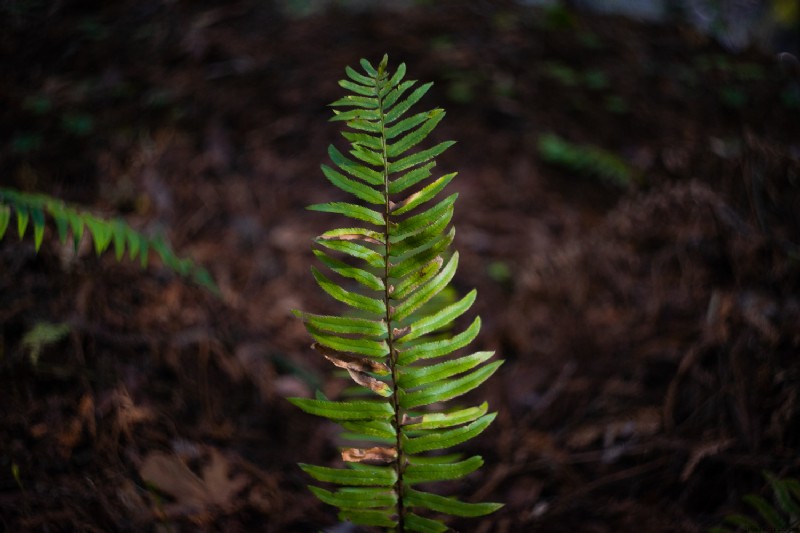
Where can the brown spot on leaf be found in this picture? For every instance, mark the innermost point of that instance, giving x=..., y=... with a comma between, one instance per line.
x=349, y=237
x=408, y=420
x=365, y=380
x=214, y=487
x=400, y=332
x=351, y=362
x=377, y=454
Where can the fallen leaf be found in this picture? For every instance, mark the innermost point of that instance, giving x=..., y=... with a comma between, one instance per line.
x=170, y=475
x=71, y=435
x=126, y=412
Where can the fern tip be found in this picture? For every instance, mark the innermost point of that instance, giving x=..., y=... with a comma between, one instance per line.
x=383, y=64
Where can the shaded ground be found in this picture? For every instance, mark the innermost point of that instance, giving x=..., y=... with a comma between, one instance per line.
x=650, y=324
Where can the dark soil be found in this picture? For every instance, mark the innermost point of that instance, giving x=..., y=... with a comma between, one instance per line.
x=650, y=325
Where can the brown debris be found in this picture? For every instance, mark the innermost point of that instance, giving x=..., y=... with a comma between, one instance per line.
x=214, y=487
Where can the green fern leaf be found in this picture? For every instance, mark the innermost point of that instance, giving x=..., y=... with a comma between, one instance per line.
x=373, y=428
x=356, y=498
x=368, y=518
x=785, y=515
x=77, y=225
x=447, y=390
x=422, y=375
x=101, y=233
x=361, y=346
x=449, y=438
x=451, y=506
x=423, y=195
x=347, y=325
x=367, y=279
x=445, y=420
x=427, y=291
x=134, y=243
x=356, y=88
x=23, y=215
x=369, y=157
x=356, y=114
x=411, y=178
x=61, y=218
x=426, y=473
x=766, y=510
x=350, y=345
x=369, y=81
x=360, y=190
x=416, y=278
x=356, y=101
x=418, y=135
x=417, y=223
x=353, y=249
x=5, y=218
x=405, y=105
x=353, y=299
x=783, y=489
x=368, y=175
x=344, y=410
x=413, y=257
x=420, y=524
x=420, y=157
x=370, y=126
x=350, y=210
x=37, y=216
x=433, y=322
x=438, y=348
x=402, y=266
x=376, y=476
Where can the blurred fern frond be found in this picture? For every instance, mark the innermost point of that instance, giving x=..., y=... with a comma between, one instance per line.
x=783, y=514
x=28, y=210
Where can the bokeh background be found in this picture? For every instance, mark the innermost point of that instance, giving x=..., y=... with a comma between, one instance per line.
x=629, y=210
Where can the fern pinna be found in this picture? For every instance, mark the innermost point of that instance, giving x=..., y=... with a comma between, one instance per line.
x=398, y=350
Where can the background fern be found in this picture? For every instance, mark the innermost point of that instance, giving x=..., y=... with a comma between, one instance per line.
x=783, y=515
x=29, y=210
x=586, y=160
x=391, y=344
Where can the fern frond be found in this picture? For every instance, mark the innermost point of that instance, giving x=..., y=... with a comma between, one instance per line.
x=27, y=207
x=783, y=515
x=396, y=347
x=587, y=160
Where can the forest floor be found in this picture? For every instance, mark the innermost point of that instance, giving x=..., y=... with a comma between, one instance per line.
x=645, y=294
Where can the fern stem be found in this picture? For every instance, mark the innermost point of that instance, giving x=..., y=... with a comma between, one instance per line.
x=397, y=421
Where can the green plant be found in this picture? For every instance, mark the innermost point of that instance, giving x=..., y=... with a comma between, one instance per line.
x=784, y=515
x=32, y=208
x=586, y=160
x=387, y=344
x=41, y=335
